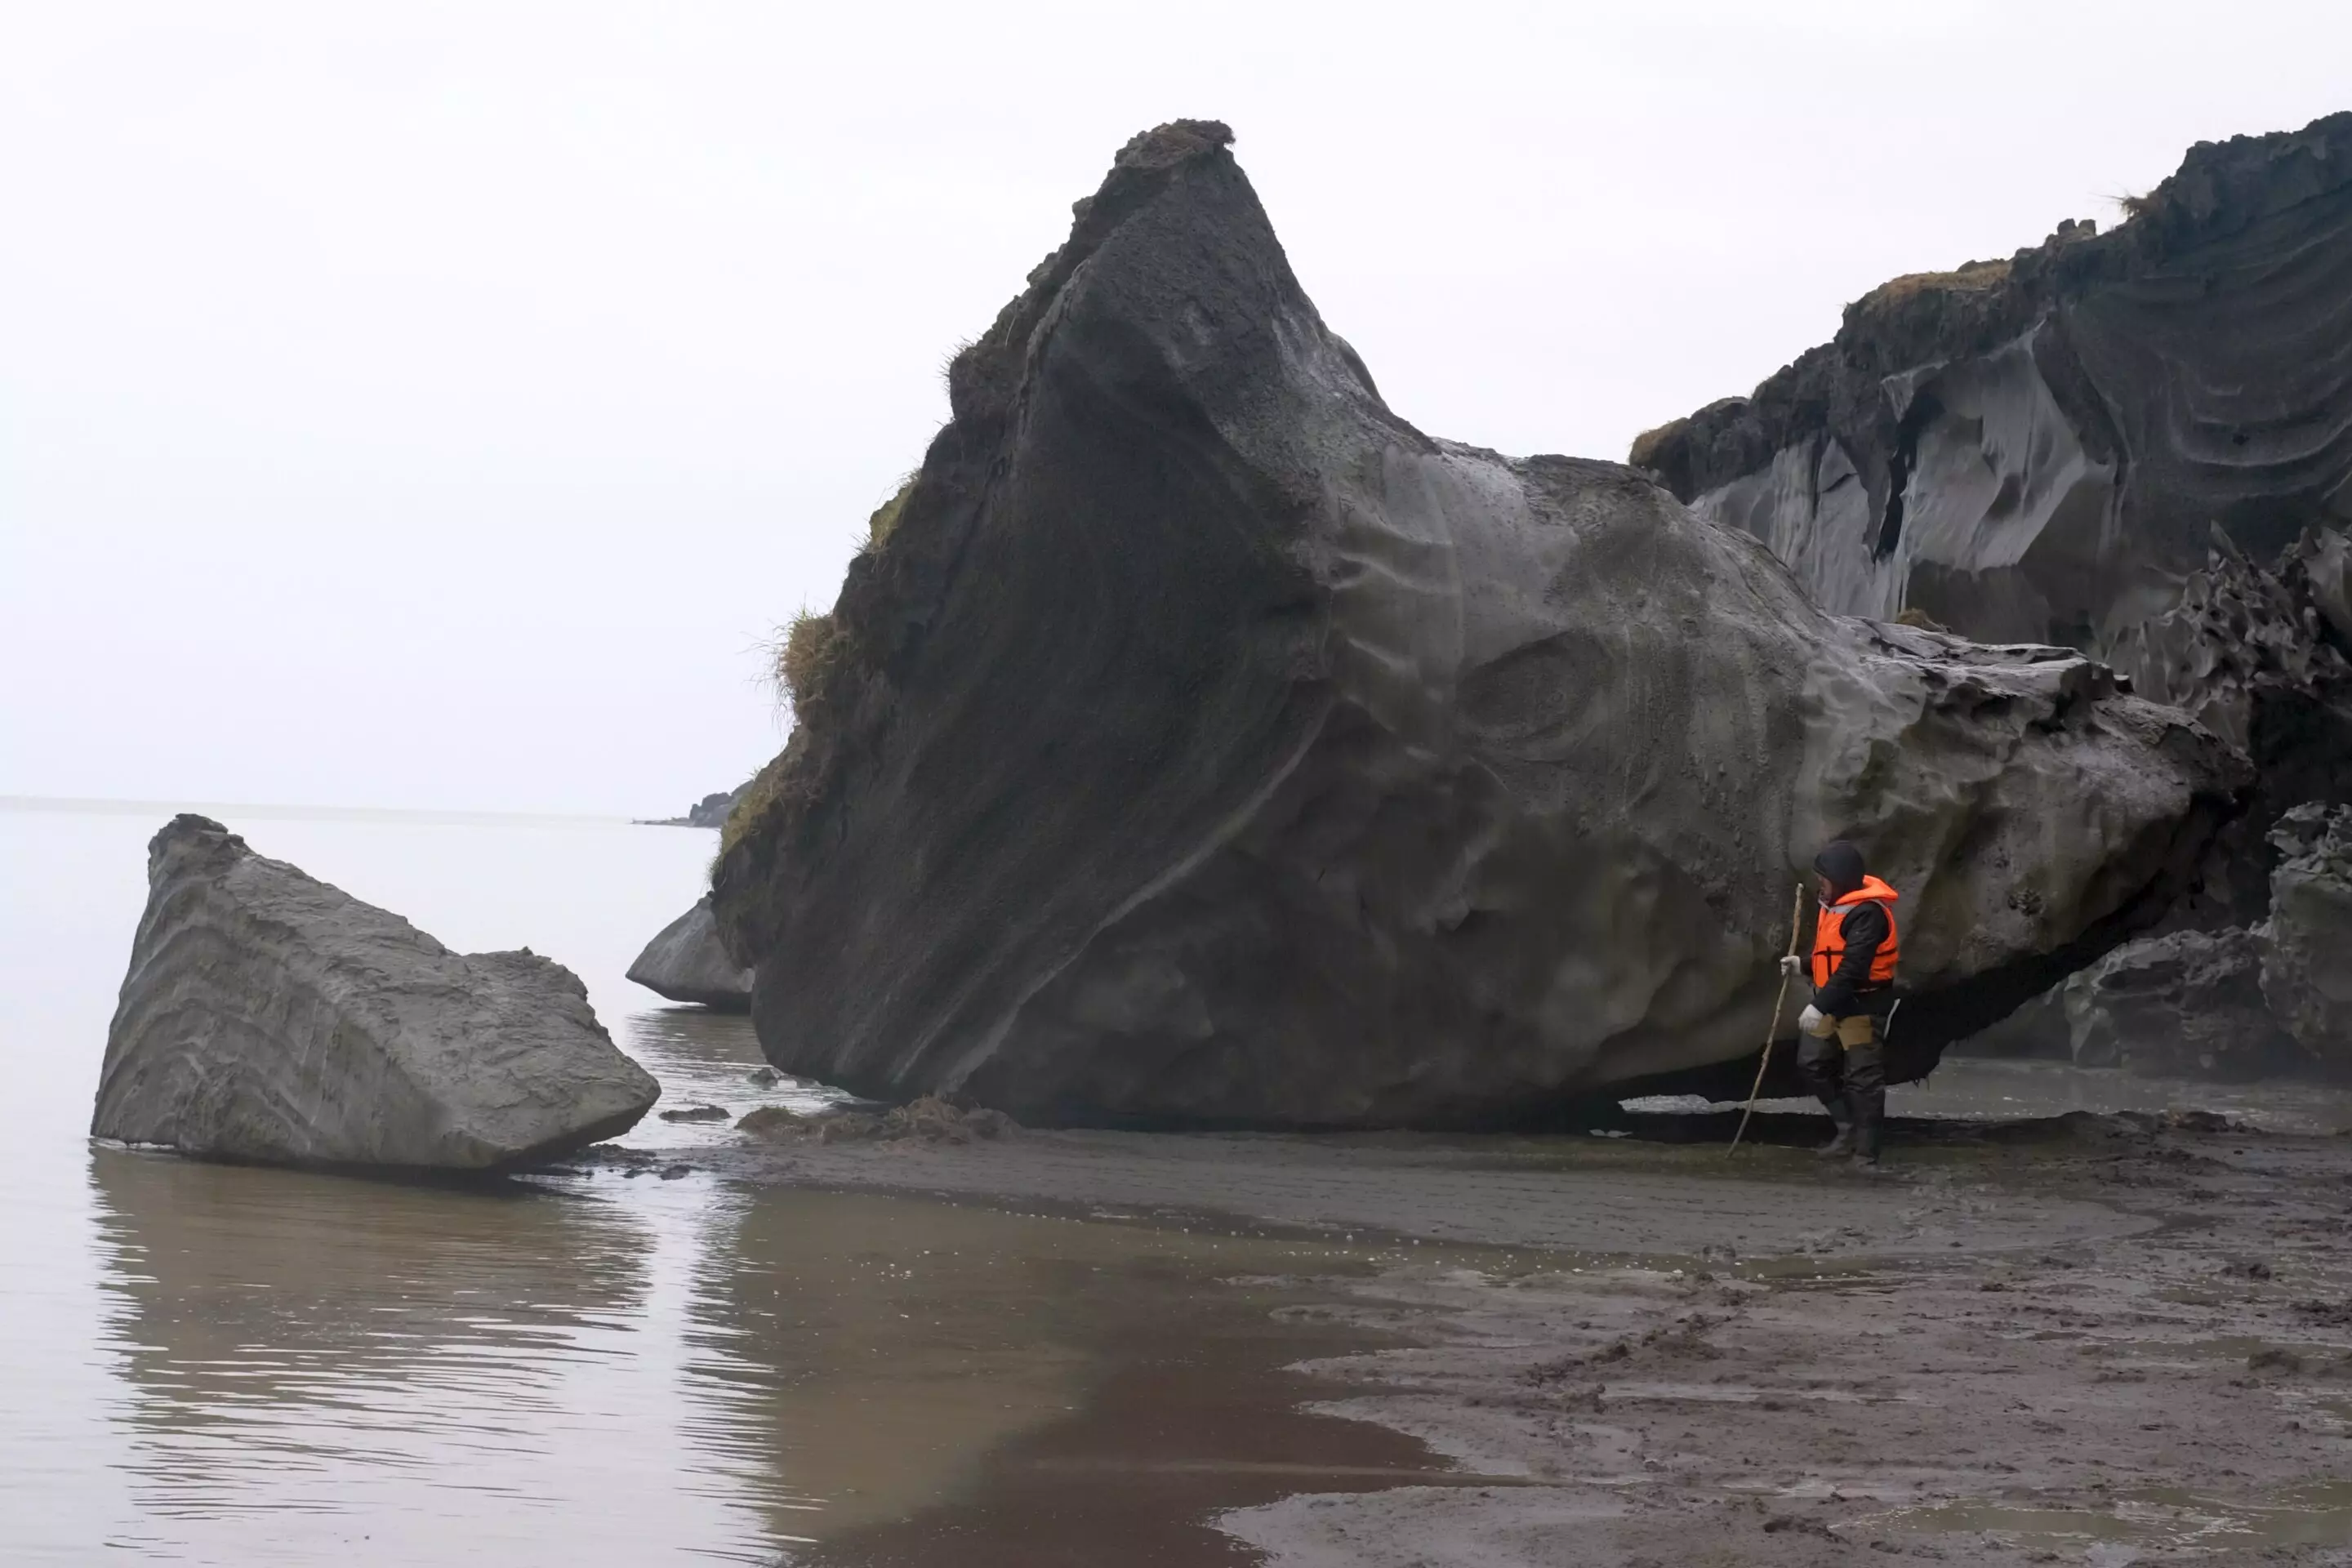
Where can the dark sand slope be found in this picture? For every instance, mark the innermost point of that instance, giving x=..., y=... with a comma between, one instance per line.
x=1207, y=744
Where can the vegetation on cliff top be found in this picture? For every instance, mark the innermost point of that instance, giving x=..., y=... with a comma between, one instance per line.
x=1969, y=276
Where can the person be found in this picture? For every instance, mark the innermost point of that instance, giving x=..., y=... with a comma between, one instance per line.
x=1840, y=1053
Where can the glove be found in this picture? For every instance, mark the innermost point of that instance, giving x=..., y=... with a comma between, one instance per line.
x=1792, y=966
x=1814, y=1021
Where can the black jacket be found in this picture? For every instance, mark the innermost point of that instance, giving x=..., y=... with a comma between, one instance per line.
x=1850, y=990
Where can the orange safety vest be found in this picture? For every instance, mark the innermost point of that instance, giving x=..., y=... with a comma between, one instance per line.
x=1829, y=934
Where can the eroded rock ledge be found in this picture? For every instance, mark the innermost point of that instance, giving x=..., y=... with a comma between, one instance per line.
x=1204, y=743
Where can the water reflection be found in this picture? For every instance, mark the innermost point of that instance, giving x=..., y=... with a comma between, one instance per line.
x=875, y=1349
x=316, y=1366
x=603, y=1370
x=965, y=1386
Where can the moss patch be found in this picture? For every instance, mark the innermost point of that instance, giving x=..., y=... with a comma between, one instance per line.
x=1974, y=278
x=758, y=797
x=885, y=521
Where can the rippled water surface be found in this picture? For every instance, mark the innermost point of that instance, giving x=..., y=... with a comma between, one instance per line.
x=207, y=1364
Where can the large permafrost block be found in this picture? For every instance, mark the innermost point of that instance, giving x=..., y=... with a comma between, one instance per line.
x=272, y=1018
x=1207, y=744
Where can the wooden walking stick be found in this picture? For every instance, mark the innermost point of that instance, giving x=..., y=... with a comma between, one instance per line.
x=1796, y=922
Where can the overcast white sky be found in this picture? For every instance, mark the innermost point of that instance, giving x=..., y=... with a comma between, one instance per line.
x=434, y=404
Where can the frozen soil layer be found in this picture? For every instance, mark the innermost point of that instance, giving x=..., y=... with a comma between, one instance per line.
x=2092, y=1339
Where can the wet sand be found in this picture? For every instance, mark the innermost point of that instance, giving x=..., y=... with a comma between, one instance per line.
x=2082, y=1338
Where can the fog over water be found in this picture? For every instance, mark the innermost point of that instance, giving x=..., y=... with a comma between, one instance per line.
x=433, y=406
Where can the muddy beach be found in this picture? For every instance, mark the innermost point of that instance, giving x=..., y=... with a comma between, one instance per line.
x=2081, y=1338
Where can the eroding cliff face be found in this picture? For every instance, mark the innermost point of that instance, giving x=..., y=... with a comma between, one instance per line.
x=2037, y=448
x=1205, y=743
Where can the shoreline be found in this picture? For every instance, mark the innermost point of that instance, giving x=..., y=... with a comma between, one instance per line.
x=2085, y=1333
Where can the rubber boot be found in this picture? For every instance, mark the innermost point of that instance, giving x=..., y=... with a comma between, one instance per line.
x=1865, y=1100
x=1820, y=1065
x=1868, y=1129
x=1839, y=1147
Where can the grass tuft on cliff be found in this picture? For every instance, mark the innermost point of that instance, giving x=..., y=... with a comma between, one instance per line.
x=804, y=651
x=805, y=657
x=1650, y=443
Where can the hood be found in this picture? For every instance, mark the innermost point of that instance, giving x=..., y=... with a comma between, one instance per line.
x=1872, y=890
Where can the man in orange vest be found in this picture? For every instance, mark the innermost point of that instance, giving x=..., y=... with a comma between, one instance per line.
x=1855, y=949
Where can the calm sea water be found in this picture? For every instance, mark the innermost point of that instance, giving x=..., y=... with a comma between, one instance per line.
x=210, y=1365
